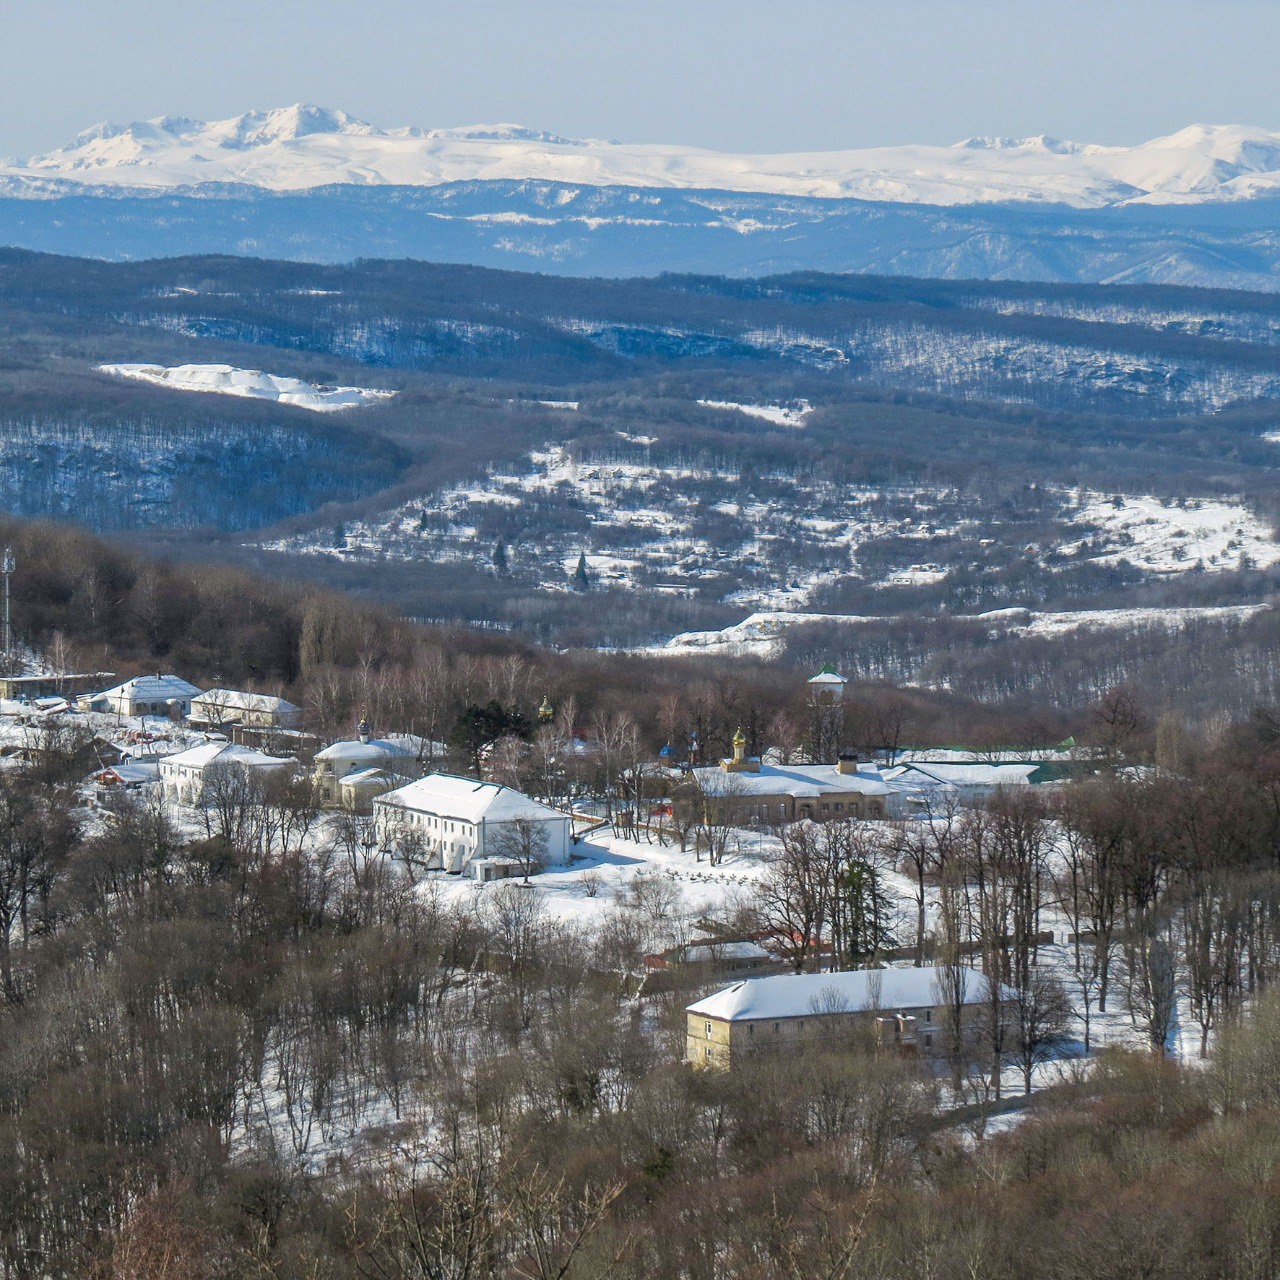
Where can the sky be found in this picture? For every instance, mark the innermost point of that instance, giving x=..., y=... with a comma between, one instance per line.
x=741, y=75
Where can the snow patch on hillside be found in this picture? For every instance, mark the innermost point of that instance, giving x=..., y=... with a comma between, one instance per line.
x=1160, y=535
x=779, y=415
x=226, y=380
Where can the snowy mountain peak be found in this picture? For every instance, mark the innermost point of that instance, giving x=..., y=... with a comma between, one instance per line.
x=304, y=146
x=288, y=124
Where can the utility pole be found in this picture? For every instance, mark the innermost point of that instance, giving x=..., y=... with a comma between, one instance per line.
x=8, y=567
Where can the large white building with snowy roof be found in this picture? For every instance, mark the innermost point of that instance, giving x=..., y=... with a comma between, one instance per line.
x=798, y=1013
x=449, y=823
x=158, y=695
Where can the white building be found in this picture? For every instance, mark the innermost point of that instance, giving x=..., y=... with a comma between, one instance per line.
x=144, y=696
x=451, y=823
x=217, y=707
x=183, y=774
x=399, y=754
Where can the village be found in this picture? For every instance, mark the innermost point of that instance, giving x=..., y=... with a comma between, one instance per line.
x=806, y=903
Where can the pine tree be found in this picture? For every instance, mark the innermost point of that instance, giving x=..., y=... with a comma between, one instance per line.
x=339, y=536
x=500, y=556
x=582, y=574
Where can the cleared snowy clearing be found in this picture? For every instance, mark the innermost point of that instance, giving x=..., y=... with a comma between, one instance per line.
x=253, y=384
x=779, y=415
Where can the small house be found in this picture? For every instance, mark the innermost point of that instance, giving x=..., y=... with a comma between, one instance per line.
x=220, y=708
x=158, y=695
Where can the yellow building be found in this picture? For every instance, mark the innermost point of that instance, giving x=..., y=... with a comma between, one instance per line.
x=799, y=1012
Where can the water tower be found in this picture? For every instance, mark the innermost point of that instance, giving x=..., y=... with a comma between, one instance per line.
x=826, y=714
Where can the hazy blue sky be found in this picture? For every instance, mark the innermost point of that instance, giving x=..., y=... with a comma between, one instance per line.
x=745, y=75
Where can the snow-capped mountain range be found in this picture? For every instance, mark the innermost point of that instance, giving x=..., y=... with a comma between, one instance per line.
x=299, y=148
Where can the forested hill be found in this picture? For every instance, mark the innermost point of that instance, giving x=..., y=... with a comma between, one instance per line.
x=623, y=231
x=703, y=447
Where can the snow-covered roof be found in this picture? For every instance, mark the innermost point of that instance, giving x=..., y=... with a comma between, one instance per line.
x=802, y=995
x=237, y=700
x=828, y=675
x=800, y=780
x=967, y=775
x=151, y=689
x=365, y=777
x=467, y=799
x=709, y=948
x=398, y=746
x=225, y=753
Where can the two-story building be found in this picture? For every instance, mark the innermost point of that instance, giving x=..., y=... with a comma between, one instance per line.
x=183, y=774
x=802, y=1013
x=450, y=823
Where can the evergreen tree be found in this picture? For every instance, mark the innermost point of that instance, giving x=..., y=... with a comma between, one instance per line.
x=500, y=556
x=582, y=574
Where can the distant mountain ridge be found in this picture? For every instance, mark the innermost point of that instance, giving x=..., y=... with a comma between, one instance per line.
x=1200, y=207
x=304, y=147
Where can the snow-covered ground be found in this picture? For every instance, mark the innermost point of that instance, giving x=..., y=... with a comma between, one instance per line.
x=226, y=380
x=780, y=415
x=1159, y=535
x=656, y=525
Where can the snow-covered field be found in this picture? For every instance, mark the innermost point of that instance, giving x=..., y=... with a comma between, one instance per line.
x=226, y=380
x=1162, y=536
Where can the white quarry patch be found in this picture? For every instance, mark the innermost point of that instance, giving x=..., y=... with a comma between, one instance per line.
x=226, y=380
x=761, y=635
x=1160, y=535
x=779, y=415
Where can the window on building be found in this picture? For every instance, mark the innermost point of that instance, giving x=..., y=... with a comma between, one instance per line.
x=708, y=1027
x=708, y=1051
x=777, y=1026
x=928, y=1015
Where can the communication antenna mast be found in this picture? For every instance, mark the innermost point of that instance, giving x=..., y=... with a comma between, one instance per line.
x=7, y=567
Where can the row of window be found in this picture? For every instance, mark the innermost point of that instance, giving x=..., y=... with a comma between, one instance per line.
x=777, y=1026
